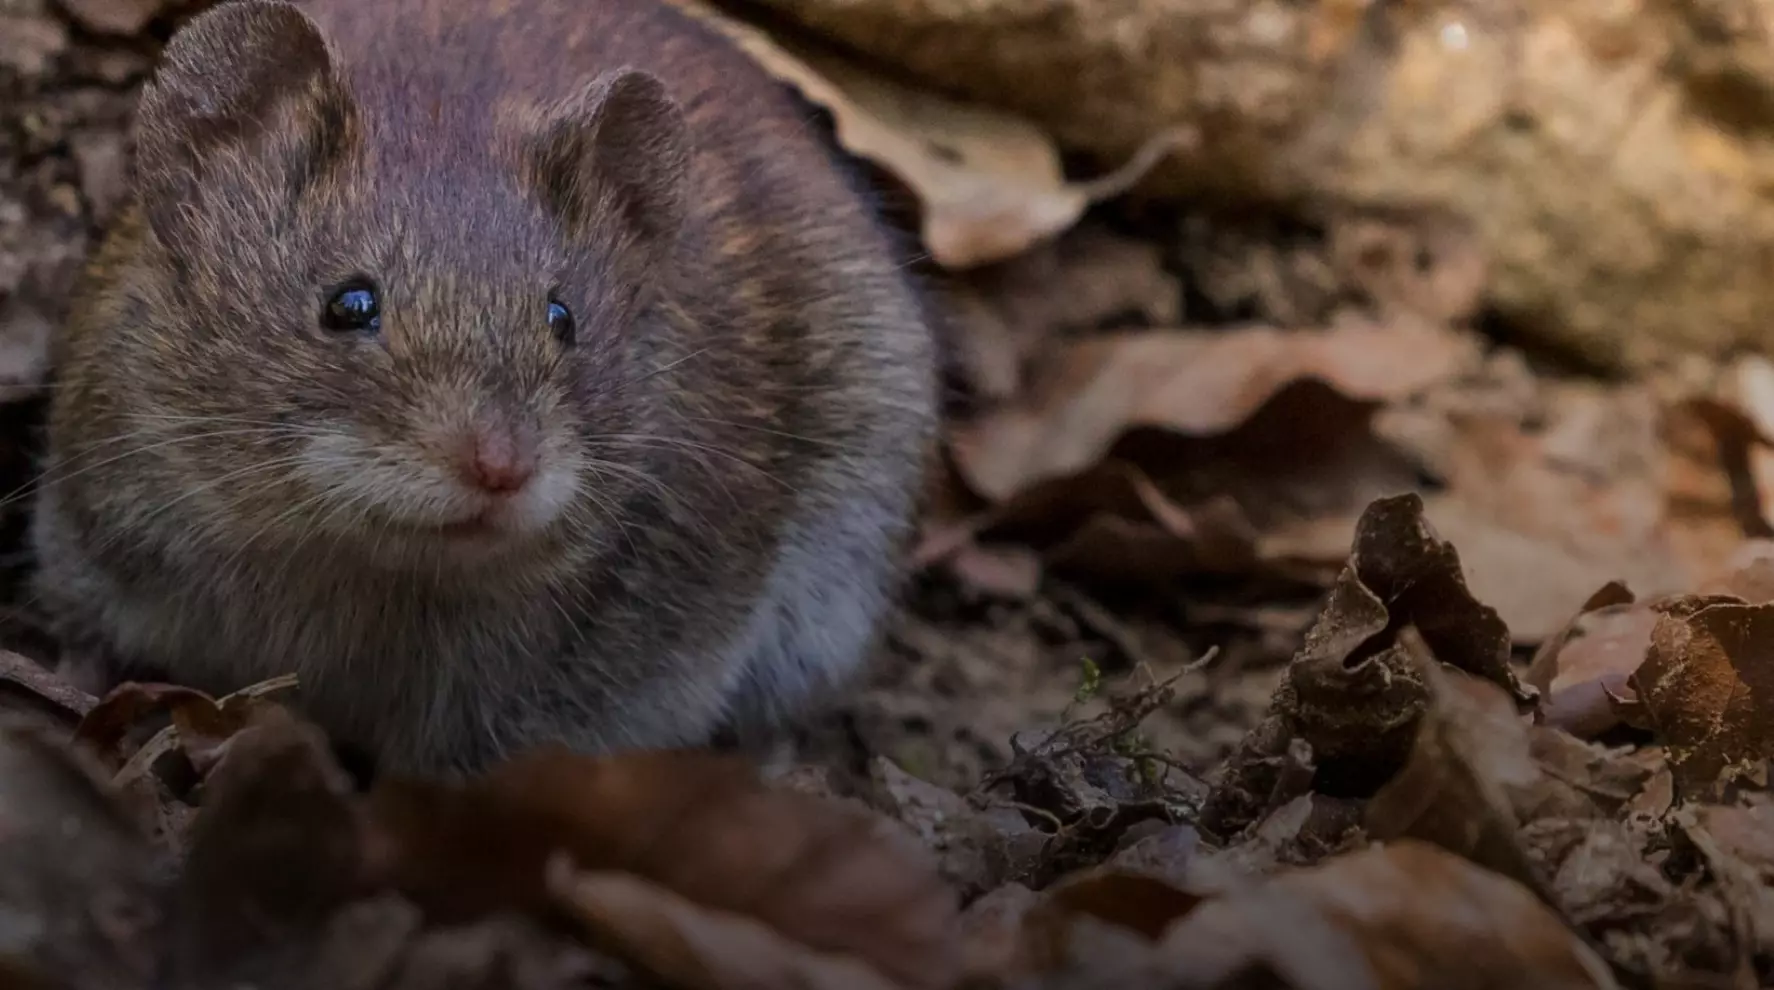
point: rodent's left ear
(616, 154)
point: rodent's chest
(370, 627)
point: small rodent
(511, 371)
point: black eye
(353, 307)
(560, 321)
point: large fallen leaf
(1194, 383)
(1402, 915)
(1707, 687)
(822, 873)
(1417, 916)
(989, 183)
(695, 948)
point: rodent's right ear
(249, 73)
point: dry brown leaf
(1415, 915)
(990, 183)
(1707, 687)
(823, 873)
(26, 684)
(201, 725)
(692, 947)
(1192, 383)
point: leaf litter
(1273, 625)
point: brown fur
(746, 406)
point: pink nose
(498, 461)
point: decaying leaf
(1415, 915)
(1707, 687)
(817, 872)
(696, 948)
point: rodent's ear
(248, 72)
(616, 153)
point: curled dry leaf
(1400, 574)
(1707, 687)
(1354, 691)
(821, 873)
(27, 685)
(201, 725)
(989, 183)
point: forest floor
(1281, 618)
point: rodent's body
(739, 430)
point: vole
(510, 371)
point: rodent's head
(402, 317)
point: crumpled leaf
(990, 183)
(822, 873)
(1584, 671)
(1707, 687)
(201, 725)
(1354, 692)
